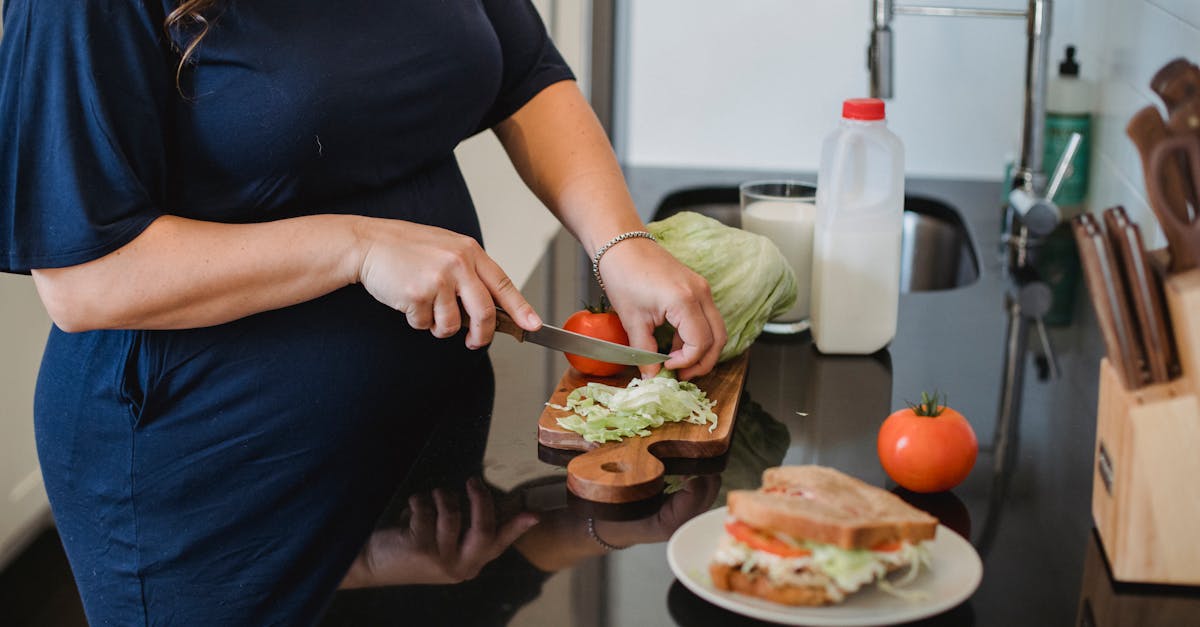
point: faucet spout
(1029, 177)
(879, 62)
(1030, 174)
(879, 51)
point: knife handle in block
(1147, 130)
(1176, 83)
(1107, 290)
(1145, 294)
(1183, 235)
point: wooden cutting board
(630, 470)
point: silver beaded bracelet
(591, 527)
(612, 242)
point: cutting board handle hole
(614, 467)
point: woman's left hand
(648, 286)
(559, 148)
(695, 498)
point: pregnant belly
(343, 354)
(269, 444)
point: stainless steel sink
(936, 254)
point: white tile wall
(1186, 10)
(756, 84)
(1139, 36)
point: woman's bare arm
(561, 152)
(182, 273)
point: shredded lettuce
(853, 568)
(850, 569)
(675, 483)
(916, 556)
(606, 413)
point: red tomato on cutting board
(603, 325)
(927, 447)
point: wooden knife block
(1146, 488)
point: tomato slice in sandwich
(763, 541)
(888, 547)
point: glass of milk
(784, 212)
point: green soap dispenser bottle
(1069, 103)
(1068, 110)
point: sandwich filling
(784, 560)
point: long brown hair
(189, 17)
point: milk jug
(856, 238)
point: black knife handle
(505, 324)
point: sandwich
(812, 535)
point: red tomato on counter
(927, 447)
(601, 324)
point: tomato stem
(603, 307)
(930, 406)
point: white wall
(23, 329)
(757, 84)
(1140, 37)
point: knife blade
(1145, 292)
(577, 344)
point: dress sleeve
(84, 87)
(531, 62)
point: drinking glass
(784, 211)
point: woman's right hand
(425, 271)
(433, 547)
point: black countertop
(1030, 519)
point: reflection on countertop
(1042, 563)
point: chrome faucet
(1031, 215)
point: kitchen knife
(1176, 83)
(577, 344)
(1185, 120)
(1145, 291)
(1147, 130)
(1108, 298)
(1183, 235)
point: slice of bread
(755, 584)
(824, 505)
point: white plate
(955, 575)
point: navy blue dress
(229, 474)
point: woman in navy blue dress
(247, 223)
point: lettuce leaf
(750, 279)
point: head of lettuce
(750, 279)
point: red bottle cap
(862, 109)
